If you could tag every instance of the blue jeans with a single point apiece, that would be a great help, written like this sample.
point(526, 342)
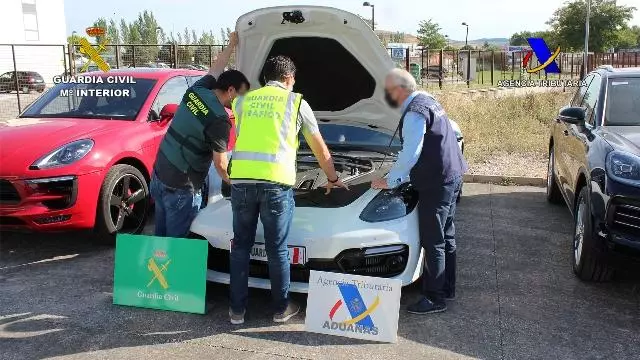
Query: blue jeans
point(274, 204)
point(436, 210)
point(175, 208)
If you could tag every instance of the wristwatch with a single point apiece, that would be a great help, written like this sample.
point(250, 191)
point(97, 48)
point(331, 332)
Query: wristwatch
point(334, 181)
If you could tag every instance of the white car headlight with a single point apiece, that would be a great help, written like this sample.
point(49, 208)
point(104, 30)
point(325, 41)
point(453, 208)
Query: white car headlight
point(390, 204)
point(624, 167)
point(64, 155)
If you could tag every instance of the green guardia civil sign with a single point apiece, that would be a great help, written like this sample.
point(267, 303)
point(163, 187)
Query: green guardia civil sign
point(160, 273)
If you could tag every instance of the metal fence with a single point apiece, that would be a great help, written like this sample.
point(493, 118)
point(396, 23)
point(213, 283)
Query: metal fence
point(197, 57)
point(443, 68)
point(21, 66)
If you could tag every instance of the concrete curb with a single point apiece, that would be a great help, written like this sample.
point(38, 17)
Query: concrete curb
point(505, 180)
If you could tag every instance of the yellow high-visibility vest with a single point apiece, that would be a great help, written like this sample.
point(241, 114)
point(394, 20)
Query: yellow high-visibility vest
point(266, 136)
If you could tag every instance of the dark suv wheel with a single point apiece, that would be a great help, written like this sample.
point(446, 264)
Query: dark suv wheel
point(588, 264)
point(553, 191)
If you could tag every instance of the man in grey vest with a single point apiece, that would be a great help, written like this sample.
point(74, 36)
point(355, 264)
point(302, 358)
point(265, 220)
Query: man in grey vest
point(198, 132)
point(431, 160)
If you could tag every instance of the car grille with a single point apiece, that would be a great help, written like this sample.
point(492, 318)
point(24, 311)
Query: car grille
point(625, 220)
point(8, 193)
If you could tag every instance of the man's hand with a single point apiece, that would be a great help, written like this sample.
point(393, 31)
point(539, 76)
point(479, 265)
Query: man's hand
point(223, 58)
point(337, 184)
point(233, 39)
point(379, 183)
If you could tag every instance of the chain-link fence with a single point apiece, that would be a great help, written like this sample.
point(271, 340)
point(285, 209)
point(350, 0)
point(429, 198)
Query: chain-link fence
point(446, 68)
point(195, 57)
point(26, 71)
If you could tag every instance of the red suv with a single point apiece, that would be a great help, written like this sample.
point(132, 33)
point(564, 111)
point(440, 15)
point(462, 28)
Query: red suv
point(72, 161)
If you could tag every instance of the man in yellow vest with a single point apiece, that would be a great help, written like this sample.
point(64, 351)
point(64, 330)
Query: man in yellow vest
point(263, 171)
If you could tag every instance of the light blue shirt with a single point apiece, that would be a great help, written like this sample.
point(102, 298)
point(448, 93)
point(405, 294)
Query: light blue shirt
point(413, 130)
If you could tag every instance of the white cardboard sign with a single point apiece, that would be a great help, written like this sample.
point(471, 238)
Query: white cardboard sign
point(359, 307)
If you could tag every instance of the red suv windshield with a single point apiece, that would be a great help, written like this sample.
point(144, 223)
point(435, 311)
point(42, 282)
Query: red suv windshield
point(92, 101)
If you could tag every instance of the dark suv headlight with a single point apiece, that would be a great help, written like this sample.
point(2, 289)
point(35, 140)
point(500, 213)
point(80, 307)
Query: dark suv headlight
point(391, 204)
point(623, 167)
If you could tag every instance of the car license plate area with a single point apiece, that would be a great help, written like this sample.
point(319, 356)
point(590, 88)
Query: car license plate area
point(297, 254)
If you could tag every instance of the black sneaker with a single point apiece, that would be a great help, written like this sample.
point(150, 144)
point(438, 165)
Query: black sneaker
point(426, 306)
point(292, 310)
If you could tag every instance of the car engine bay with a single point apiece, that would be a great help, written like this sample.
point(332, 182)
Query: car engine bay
point(357, 170)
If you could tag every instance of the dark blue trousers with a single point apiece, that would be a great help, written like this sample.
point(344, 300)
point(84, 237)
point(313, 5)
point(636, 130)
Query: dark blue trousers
point(436, 210)
point(274, 205)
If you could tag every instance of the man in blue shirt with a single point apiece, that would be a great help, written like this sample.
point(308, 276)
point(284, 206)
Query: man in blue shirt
point(432, 161)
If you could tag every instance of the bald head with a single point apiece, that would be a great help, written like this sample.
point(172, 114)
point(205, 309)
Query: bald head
point(398, 85)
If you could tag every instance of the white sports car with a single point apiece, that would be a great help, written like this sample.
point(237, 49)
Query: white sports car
point(340, 67)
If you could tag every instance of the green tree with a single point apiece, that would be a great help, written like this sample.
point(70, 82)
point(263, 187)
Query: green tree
point(74, 39)
point(398, 37)
point(607, 18)
point(201, 55)
point(194, 37)
point(520, 38)
point(223, 36)
point(101, 23)
point(162, 37)
point(627, 38)
point(113, 34)
point(490, 47)
point(429, 35)
point(125, 35)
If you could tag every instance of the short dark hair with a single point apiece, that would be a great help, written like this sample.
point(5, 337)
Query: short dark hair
point(231, 78)
point(278, 68)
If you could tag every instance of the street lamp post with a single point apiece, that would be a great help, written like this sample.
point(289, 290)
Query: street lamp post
point(466, 45)
point(466, 39)
point(585, 61)
point(373, 14)
point(72, 66)
point(447, 38)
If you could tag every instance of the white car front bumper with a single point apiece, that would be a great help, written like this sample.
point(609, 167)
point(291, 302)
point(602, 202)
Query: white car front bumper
point(325, 233)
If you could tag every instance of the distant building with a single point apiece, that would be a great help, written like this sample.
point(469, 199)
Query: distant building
point(33, 22)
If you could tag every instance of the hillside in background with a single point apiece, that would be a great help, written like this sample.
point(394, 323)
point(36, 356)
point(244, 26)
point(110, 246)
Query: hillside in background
point(480, 42)
point(387, 36)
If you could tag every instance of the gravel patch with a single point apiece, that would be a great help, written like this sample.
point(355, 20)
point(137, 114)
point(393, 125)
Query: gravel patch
point(527, 165)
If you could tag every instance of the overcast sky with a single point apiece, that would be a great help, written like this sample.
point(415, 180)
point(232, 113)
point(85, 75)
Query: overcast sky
point(486, 18)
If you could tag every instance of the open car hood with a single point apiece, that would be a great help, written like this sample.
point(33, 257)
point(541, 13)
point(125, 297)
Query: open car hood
point(341, 64)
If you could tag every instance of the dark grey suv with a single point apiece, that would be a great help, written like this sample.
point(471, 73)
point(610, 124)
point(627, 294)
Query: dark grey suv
point(594, 166)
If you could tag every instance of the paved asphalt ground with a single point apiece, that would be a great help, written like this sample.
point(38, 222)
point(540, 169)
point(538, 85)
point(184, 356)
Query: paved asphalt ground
point(517, 298)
